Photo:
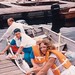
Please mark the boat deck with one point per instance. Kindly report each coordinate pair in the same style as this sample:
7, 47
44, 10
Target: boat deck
7, 67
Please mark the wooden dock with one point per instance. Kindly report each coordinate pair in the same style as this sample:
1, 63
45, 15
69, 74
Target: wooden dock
33, 13
19, 8
7, 67
69, 15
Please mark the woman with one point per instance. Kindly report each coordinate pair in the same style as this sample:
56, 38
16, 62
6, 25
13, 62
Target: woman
40, 56
48, 61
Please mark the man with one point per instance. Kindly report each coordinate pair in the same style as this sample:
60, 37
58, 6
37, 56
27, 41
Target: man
23, 42
12, 26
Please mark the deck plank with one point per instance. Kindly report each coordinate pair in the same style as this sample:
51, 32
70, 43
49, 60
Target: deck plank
2, 57
4, 62
15, 72
20, 9
7, 67
69, 15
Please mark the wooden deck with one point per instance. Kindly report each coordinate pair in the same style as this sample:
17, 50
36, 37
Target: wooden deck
69, 15
7, 67
19, 9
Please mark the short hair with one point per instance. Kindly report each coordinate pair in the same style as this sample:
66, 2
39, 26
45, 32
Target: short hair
11, 19
17, 30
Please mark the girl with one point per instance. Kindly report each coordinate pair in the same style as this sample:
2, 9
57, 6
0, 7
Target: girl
48, 61
40, 56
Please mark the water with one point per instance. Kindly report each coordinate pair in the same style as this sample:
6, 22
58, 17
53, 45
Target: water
3, 44
66, 31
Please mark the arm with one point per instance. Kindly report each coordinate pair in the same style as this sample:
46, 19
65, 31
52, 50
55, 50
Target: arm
45, 68
6, 34
34, 64
6, 48
32, 59
35, 69
19, 50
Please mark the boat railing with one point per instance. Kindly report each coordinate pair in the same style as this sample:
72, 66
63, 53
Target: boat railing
58, 35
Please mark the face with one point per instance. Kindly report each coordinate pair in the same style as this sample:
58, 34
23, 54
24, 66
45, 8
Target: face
9, 22
43, 48
18, 35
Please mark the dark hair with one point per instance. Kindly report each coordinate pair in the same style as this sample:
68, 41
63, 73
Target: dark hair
11, 19
17, 30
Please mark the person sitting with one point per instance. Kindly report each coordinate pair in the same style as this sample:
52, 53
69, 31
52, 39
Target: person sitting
49, 61
40, 56
24, 43
12, 26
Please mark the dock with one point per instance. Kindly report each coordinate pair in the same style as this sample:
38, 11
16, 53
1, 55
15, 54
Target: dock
33, 13
7, 67
19, 8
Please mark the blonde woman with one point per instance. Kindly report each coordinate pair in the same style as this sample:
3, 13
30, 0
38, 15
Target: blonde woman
48, 61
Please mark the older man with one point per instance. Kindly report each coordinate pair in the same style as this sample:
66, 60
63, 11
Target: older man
12, 26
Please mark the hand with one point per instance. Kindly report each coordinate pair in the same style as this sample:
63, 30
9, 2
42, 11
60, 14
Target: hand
13, 57
35, 66
1, 53
28, 73
9, 56
41, 73
37, 69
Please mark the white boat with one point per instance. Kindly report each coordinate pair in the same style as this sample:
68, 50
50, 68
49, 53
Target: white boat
60, 41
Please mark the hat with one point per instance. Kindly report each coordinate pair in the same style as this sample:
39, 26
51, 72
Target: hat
17, 30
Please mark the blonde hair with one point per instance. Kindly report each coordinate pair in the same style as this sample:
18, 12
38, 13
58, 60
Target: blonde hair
48, 43
38, 41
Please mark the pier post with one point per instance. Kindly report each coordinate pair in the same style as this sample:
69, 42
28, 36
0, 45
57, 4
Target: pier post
25, 16
45, 17
57, 21
1, 22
